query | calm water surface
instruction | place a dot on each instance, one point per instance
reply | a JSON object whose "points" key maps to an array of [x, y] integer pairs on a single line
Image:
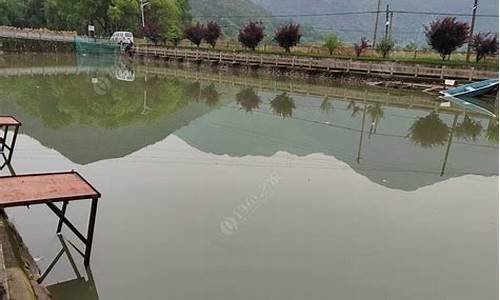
{"points": [[220, 186]]}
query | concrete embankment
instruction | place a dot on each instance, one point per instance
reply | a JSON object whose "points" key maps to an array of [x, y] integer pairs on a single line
{"points": [[18, 270]]}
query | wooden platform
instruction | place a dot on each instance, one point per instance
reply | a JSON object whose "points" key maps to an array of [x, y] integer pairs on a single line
{"points": [[48, 188], [6, 123], [41, 188], [8, 120]]}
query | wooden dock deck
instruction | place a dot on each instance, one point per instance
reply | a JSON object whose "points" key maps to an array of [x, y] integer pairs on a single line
{"points": [[32, 189], [49, 188], [7, 123]]}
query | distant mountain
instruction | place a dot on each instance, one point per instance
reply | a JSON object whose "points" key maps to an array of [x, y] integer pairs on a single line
{"points": [[223, 8], [233, 14], [351, 27]]}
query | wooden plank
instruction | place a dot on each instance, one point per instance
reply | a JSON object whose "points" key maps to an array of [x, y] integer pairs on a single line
{"points": [[41, 188], [8, 120]]}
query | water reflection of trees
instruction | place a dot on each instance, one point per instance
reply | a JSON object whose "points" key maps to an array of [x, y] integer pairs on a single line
{"points": [[62, 100], [248, 99], [283, 105], [192, 91], [352, 106], [326, 106], [429, 131], [376, 112], [491, 132], [468, 129], [210, 94]]}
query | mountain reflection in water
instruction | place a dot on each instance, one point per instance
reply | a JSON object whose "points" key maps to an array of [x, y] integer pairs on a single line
{"points": [[109, 110]]}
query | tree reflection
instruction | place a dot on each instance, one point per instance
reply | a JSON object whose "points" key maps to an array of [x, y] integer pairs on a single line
{"points": [[62, 100], [326, 106], [210, 94], [492, 130], [248, 99], [376, 112], [354, 108], [468, 129], [193, 91], [283, 105], [429, 131]]}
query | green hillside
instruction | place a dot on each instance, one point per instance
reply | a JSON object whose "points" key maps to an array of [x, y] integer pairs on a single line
{"points": [[226, 8]]}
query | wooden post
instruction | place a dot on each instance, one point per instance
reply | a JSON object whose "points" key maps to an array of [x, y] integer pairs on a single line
{"points": [[442, 71], [349, 66], [90, 232], [471, 75], [220, 56], [392, 69], [261, 59], [276, 60], [63, 210], [369, 67], [416, 71]]}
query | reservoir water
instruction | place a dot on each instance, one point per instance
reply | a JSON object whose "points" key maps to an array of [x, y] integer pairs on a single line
{"points": [[218, 185]]}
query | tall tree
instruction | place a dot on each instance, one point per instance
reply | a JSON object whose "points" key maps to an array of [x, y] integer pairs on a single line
{"points": [[175, 35], [446, 35], [484, 44], [195, 33], [385, 46], [153, 30], [251, 35], [332, 42], [288, 36], [361, 46], [212, 33], [160, 17], [123, 15]]}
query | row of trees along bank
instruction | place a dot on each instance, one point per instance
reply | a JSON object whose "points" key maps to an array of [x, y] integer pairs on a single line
{"points": [[444, 35]]}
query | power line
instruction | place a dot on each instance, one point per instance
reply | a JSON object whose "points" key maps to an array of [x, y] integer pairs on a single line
{"points": [[443, 14], [331, 29], [350, 13]]}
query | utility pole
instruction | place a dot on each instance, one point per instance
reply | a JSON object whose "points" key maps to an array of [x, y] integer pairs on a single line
{"points": [[387, 22], [390, 24], [474, 10], [376, 23], [143, 4]]}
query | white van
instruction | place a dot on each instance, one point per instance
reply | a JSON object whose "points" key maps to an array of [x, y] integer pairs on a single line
{"points": [[123, 37]]}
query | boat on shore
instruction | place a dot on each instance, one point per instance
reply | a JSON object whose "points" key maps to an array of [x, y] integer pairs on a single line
{"points": [[472, 89]]}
